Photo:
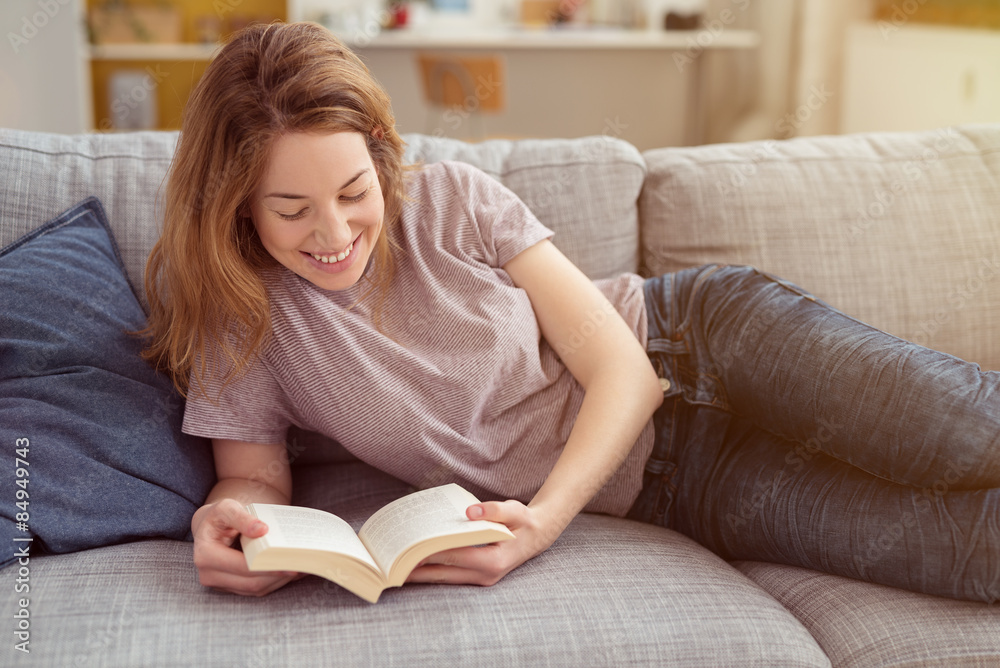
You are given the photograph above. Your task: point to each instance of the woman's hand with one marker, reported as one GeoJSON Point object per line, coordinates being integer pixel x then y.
{"type": "Point", "coordinates": [216, 526]}
{"type": "Point", "coordinates": [534, 532]}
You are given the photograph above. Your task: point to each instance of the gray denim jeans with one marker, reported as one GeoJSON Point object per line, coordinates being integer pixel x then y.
{"type": "Point", "coordinates": [792, 433]}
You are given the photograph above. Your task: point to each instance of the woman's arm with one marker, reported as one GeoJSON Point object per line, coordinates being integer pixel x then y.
{"type": "Point", "coordinates": [621, 394]}
{"type": "Point", "coordinates": [247, 473]}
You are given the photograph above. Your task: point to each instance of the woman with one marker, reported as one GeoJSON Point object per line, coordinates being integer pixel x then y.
{"type": "Point", "coordinates": [427, 323]}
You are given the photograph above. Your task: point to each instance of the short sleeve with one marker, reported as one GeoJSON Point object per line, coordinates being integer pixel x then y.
{"type": "Point", "coordinates": [505, 224]}
{"type": "Point", "coordinates": [251, 407]}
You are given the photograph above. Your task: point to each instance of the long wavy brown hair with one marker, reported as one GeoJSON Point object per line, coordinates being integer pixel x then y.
{"type": "Point", "coordinates": [204, 276]}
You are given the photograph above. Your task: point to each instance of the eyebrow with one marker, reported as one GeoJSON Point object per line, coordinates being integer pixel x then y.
{"type": "Point", "coordinates": [294, 196]}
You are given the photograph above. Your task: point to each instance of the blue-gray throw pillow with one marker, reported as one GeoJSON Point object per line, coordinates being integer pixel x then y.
{"type": "Point", "coordinates": [91, 451]}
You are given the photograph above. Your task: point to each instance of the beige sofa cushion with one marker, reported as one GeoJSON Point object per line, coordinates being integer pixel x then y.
{"type": "Point", "coordinates": [609, 592]}
{"type": "Point", "coordinates": [900, 230]}
{"type": "Point", "coordinates": [859, 624]}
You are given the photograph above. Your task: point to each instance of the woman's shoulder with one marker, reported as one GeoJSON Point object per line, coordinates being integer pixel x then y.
{"type": "Point", "coordinates": [452, 175]}
{"type": "Point", "coordinates": [450, 191]}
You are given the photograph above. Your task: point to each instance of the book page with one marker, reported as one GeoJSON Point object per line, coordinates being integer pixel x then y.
{"type": "Point", "coordinates": [425, 514]}
{"type": "Point", "coordinates": [310, 529]}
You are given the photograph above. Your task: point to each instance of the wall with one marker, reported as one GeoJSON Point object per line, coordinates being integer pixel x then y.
{"type": "Point", "coordinates": [797, 74]}
{"type": "Point", "coordinates": [733, 79]}
{"type": "Point", "coordinates": [777, 93]}
{"type": "Point", "coordinates": [42, 75]}
{"type": "Point", "coordinates": [639, 96]}
{"type": "Point", "coordinates": [818, 86]}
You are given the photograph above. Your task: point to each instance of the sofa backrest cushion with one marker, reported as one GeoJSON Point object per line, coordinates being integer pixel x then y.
{"type": "Point", "coordinates": [44, 174]}
{"type": "Point", "coordinates": [900, 230]}
{"type": "Point", "coordinates": [585, 190]}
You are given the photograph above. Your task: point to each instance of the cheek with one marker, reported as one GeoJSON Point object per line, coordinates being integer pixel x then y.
{"type": "Point", "coordinates": [272, 237]}
{"type": "Point", "coordinates": [376, 210]}
{"type": "Point", "coordinates": [262, 231]}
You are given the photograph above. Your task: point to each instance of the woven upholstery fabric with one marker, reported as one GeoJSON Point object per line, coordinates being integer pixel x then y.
{"type": "Point", "coordinates": [585, 190]}
{"type": "Point", "coordinates": [608, 593]}
{"type": "Point", "coordinates": [901, 230]}
{"type": "Point", "coordinates": [44, 174]}
{"type": "Point", "coordinates": [861, 625]}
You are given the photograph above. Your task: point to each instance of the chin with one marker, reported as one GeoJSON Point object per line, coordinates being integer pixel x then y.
{"type": "Point", "coordinates": [341, 280]}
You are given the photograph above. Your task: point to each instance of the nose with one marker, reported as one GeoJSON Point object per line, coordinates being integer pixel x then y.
{"type": "Point", "coordinates": [333, 232]}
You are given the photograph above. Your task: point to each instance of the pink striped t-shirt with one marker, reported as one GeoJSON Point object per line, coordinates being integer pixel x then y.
{"type": "Point", "coordinates": [459, 386]}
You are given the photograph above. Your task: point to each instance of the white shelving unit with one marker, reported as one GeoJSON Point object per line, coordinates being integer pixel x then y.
{"type": "Point", "coordinates": [510, 38]}
{"type": "Point", "coordinates": [571, 39]}
{"type": "Point", "coordinates": [666, 109]}
{"type": "Point", "coordinates": [153, 51]}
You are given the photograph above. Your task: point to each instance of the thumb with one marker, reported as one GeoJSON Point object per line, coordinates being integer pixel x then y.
{"type": "Point", "coordinates": [475, 512]}
{"type": "Point", "coordinates": [505, 512]}
{"type": "Point", "coordinates": [252, 527]}
{"type": "Point", "coordinates": [232, 515]}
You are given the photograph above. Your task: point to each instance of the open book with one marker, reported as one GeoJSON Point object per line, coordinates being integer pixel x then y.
{"type": "Point", "coordinates": [390, 544]}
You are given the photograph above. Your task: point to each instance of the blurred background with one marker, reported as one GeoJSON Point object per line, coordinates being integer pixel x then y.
{"type": "Point", "coordinates": [653, 72]}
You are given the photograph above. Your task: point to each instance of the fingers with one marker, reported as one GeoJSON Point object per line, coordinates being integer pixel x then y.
{"type": "Point", "coordinates": [219, 565]}
{"type": "Point", "coordinates": [255, 584]}
{"type": "Point", "coordinates": [483, 566]}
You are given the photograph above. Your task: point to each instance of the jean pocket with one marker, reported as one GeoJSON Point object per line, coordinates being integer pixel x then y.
{"type": "Point", "coordinates": [655, 501]}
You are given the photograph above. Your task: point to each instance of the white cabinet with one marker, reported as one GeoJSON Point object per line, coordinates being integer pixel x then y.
{"type": "Point", "coordinates": [918, 77]}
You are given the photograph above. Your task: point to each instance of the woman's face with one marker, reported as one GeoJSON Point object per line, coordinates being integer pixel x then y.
{"type": "Point", "coordinates": [319, 208]}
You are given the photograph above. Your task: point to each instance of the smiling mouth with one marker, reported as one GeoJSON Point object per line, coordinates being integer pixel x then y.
{"type": "Point", "coordinates": [333, 258]}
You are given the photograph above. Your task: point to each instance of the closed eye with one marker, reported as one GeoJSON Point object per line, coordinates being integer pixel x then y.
{"type": "Point", "coordinates": [357, 198]}
{"type": "Point", "coordinates": [291, 216]}
{"type": "Point", "coordinates": [344, 198]}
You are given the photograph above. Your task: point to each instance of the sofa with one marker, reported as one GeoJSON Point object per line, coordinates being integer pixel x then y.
{"type": "Point", "coordinates": [898, 229]}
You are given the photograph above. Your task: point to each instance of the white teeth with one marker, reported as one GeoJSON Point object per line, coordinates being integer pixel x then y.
{"type": "Point", "coordinates": [328, 259]}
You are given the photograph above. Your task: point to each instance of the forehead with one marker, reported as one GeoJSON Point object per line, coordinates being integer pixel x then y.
{"type": "Point", "coordinates": [297, 155]}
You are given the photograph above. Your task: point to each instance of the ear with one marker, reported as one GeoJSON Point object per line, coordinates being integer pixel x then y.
{"type": "Point", "coordinates": [378, 132]}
